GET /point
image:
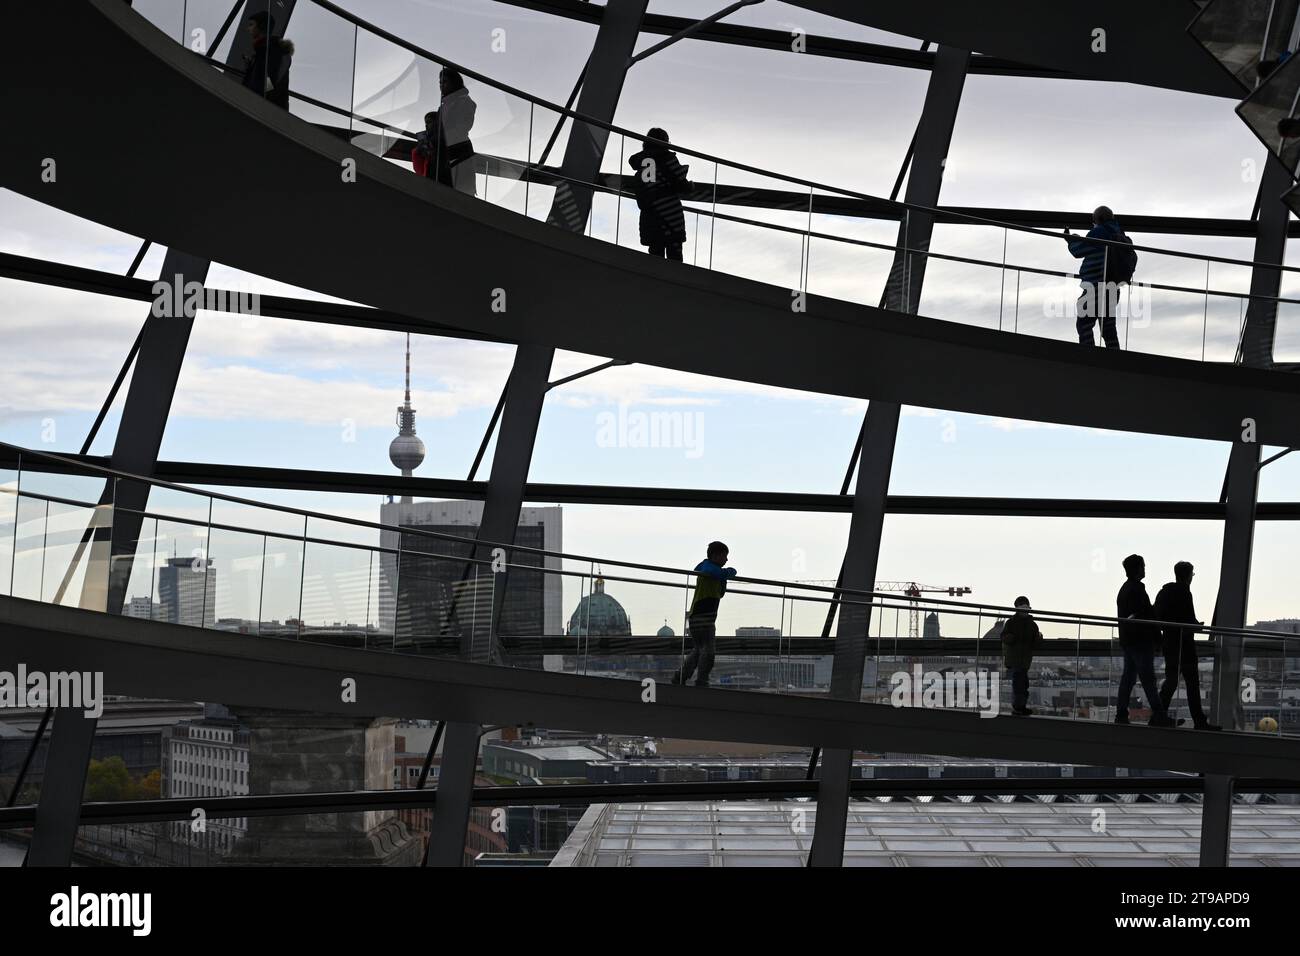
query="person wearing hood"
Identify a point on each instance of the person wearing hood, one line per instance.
(456, 119)
(659, 182)
(266, 71)
(1104, 268)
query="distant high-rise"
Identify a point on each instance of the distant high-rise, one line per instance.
(186, 591)
(420, 592)
(930, 629)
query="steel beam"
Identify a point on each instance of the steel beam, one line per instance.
(1216, 820)
(455, 795)
(1270, 247)
(525, 393)
(148, 658)
(879, 434)
(1241, 484)
(58, 810)
(1234, 583)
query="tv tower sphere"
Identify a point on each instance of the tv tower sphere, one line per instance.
(406, 451)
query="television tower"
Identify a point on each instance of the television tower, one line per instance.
(406, 451)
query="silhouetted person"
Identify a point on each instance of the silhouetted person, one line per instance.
(428, 156)
(659, 182)
(1020, 638)
(1103, 270)
(710, 586)
(456, 117)
(266, 71)
(1138, 642)
(1174, 606)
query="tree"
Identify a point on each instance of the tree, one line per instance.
(149, 787)
(107, 780)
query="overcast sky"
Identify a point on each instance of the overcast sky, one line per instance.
(265, 391)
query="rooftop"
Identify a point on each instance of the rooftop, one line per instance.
(753, 833)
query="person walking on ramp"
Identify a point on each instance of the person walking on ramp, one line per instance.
(702, 621)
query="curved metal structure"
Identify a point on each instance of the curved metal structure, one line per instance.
(321, 206)
(1144, 43)
(291, 213)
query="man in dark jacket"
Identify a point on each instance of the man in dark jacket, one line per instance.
(1097, 276)
(1138, 642)
(1174, 605)
(659, 182)
(266, 72)
(1020, 638)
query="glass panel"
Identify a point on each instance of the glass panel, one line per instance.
(203, 22)
(282, 581)
(321, 76)
(851, 258)
(76, 555)
(437, 603)
(336, 595)
(140, 597)
(235, 580)
(9, 478)
(550, 131)
(80, 489)
(184, 579)
(29, 548)
(394, 89)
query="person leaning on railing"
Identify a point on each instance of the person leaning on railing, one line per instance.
(659, 182)
(702, 621)
(1104, 269)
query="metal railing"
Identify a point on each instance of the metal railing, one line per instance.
(222, 562)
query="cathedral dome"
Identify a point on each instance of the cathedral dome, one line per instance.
(599, 615)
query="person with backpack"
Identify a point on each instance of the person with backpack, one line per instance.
(1104, 269)
(659, 182)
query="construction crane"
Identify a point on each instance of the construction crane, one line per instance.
(912, 591)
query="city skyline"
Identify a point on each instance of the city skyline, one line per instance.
(792, 309)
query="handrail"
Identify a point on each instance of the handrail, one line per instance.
(849, 240)
(836, 594)
(938, 212)
(810, 184)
